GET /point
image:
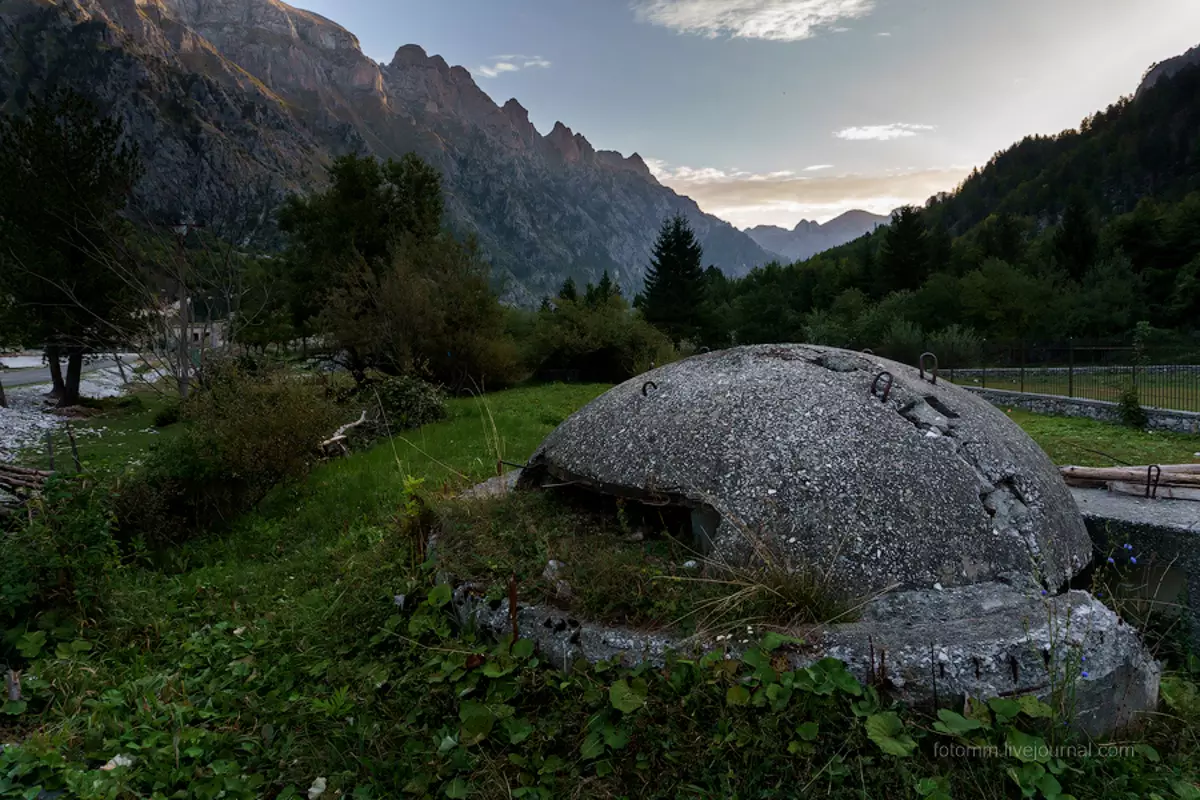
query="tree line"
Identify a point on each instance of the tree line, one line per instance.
(371, 275)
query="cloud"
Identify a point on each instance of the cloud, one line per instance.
(883, 133)
(883, 34)
(773, 20)
(511, 63)
(783, 198)
(818, 167)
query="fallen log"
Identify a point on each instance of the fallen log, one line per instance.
(338, 440)
(15, 470)
(21, 483)
(1174, 477)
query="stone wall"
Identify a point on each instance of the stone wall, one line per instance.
(1102, 410)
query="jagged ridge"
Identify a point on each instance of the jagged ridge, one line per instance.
(241, 101)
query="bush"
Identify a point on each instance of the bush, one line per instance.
(245, 435)
(400, 402)
(903, 342)
(168, 415)
(957, 347)
(606, 343)
(63, 556)
(1132, 413)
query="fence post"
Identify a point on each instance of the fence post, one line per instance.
(1071, 367)
(984, 374)
(1023, 350)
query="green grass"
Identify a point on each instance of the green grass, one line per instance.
(281, 652)
(1178, 392)
(620, 563)
(1088, 443)
(123, 429)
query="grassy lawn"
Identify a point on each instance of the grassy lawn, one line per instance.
(123, 429)
(1179, 392)
(1088, 443)
(308, 647)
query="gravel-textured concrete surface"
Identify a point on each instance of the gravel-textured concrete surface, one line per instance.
(924, 647)
(932, 487)
(1161, 532)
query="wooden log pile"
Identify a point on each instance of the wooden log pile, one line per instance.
(20, 483)
(1165, 482)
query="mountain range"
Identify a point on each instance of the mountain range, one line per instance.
(236, 103)
(809, 238)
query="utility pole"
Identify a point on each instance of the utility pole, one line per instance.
(184, 355)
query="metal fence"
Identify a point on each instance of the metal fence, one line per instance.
(1165, 376)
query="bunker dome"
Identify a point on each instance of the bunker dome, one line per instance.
(835, 460)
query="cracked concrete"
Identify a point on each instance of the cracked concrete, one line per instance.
(794, 450)
(926, 648)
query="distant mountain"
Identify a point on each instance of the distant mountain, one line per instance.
(236, 103)
(809, 238)
(1165, 69)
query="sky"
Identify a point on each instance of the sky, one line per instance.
(773, 111)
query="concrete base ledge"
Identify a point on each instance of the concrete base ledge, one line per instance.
(1160, 419)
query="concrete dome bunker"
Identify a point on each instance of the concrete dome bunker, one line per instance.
(913, 492)
(836, 460)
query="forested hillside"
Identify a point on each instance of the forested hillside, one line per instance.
(1082, 234)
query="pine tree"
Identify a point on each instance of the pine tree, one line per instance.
(568, 292)
(1076, 242)
(674, 290)
(904, 256)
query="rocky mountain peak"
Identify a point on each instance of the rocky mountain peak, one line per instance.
(410, 55)
(1165, 69)
(564, 141)
(515, 110)
(235, 103)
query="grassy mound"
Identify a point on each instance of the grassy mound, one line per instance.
(620, 563)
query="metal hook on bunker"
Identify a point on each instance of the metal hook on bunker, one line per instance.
(925, 357)
(887, 388)
(647, 386)
(1153, 476)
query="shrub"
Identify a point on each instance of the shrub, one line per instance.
(606, 343)
(1132, 413)
(62, 556)
(400, 403)
(245, 435)
(957, 346)
(168, 415)
(903, 342)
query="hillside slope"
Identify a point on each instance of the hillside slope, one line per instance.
(237, 102)
(1148, 146)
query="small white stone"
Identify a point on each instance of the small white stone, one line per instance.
(317, 789)
(938, 586)
(121, 760)
(772, 491)
(691, 565)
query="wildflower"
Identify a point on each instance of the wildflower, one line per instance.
(1128, 546)
(1110, 560)
(1084, 673)
(1043, 592)
(1133, 559)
